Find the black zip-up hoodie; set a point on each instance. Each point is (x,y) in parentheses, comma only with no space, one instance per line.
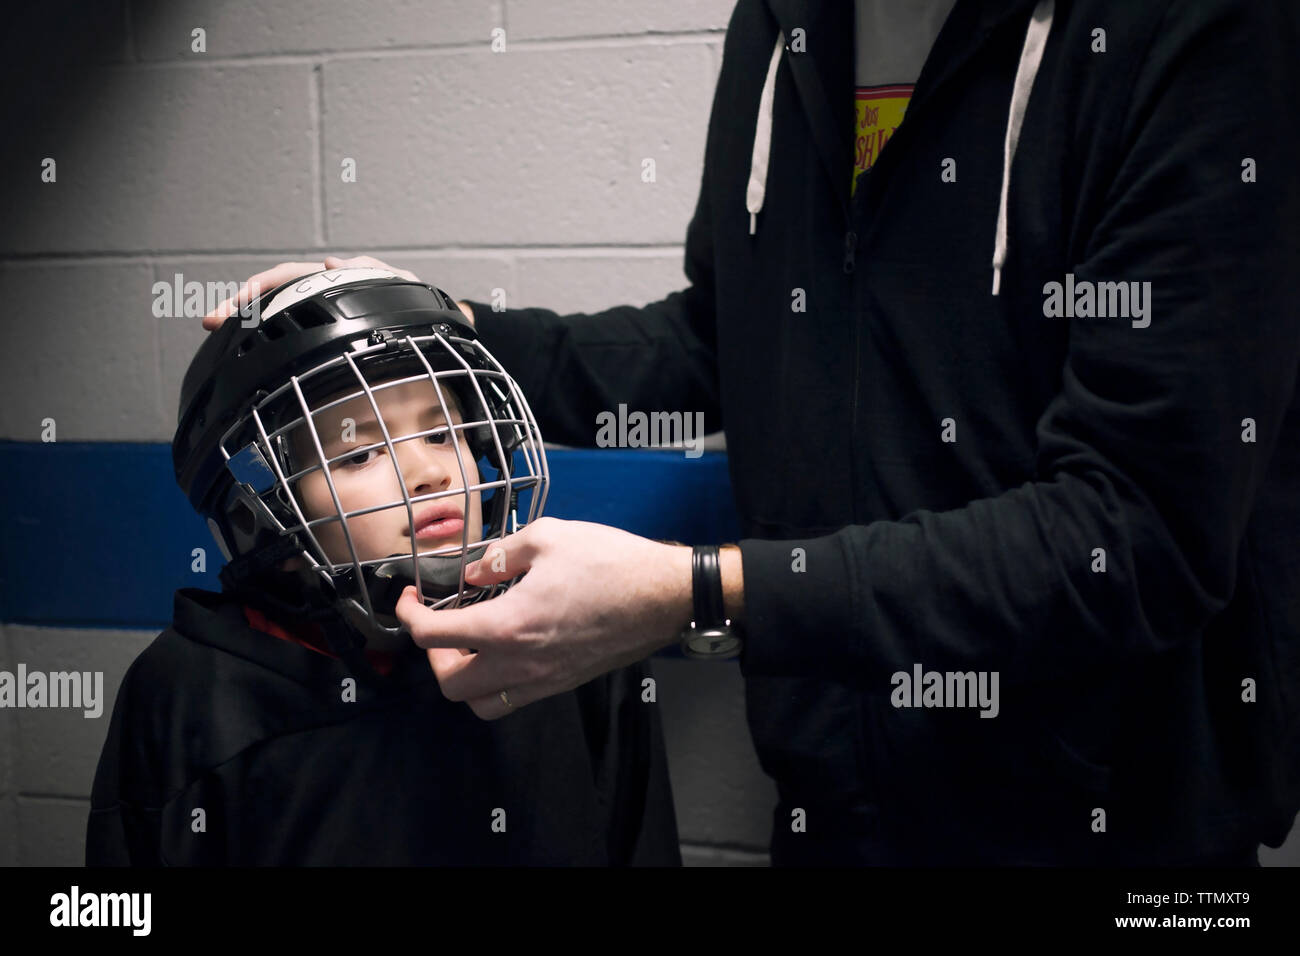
(1103,511)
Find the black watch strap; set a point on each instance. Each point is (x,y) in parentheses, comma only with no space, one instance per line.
(710,635)
(706,581)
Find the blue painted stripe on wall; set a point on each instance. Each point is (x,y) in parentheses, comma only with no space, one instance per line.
(96,534)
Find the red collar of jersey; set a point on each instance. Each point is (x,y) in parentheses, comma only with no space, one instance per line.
(312,638)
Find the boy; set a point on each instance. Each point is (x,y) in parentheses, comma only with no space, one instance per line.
(340,451)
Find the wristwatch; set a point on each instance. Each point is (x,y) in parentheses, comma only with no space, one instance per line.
(710,635)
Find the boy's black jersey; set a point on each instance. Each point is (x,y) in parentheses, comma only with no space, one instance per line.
(228,746)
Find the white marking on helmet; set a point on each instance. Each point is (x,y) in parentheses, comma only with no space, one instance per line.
(308,286)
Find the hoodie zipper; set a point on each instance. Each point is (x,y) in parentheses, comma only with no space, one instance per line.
(850,209)
(850,255)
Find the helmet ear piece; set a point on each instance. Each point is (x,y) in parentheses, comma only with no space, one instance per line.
(215,529)
(484,448)
(242,518)
(248,524)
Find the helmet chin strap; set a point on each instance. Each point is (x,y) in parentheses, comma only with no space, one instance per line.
(439,575)
(439,578)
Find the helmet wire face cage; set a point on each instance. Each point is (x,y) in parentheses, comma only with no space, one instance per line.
(395,462)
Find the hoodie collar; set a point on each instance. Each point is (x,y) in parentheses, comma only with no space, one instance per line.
(827,61)
(215,619)
(823,75)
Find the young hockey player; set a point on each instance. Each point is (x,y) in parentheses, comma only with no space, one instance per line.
(358,439)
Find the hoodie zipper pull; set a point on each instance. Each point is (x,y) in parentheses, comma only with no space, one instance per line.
(850,244)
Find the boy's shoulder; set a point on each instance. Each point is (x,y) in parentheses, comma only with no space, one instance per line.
(210,675)
(170,663)
(206,641)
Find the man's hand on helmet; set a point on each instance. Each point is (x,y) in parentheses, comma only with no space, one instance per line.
(285,271)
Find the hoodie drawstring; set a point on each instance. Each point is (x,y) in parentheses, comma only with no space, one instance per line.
(757,187)
(1031,56)
(1040,24)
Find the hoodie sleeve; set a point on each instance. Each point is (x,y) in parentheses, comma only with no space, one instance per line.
(1141,452)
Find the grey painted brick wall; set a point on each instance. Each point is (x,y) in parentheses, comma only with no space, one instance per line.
(60,747)
(50,754)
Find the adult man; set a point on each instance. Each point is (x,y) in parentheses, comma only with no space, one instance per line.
(1017,405)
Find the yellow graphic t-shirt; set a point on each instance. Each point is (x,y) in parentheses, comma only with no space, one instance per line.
(892,39)
(879,111)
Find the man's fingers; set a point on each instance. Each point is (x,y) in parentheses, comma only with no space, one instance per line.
(476,678)
(212,321)
(478,681)
(467,311)
(503,560)
(474,626)
(494,706)
(508,557)
(264,281)
(367,262)
(447,664)
(277,275)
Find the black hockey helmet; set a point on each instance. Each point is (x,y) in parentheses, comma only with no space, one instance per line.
(248,401)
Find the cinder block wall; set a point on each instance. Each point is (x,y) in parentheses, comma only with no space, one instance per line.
(517,170)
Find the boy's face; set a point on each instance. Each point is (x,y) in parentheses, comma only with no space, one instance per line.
(428,465)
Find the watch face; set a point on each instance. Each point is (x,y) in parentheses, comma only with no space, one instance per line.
(712,643)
